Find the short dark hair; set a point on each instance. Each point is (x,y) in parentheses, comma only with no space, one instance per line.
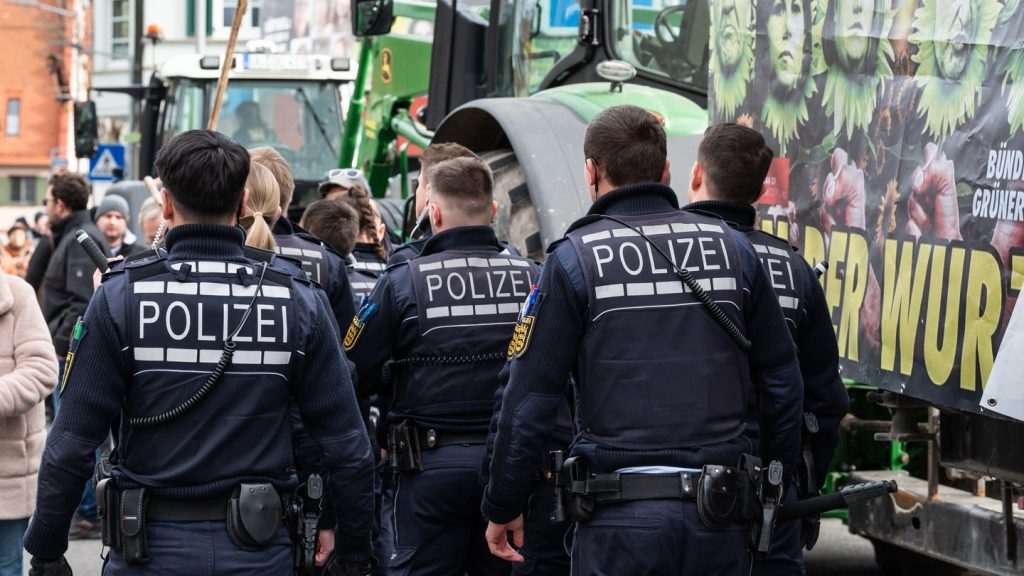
(204,172)
(628,144)
(71,188)
(735,160)
(442,152)
(334,222)
(466,181)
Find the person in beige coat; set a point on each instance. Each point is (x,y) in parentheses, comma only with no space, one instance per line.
(28,372)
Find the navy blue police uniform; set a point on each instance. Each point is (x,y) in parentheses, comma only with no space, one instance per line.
(364,268)
(153,334)
(413,248)
(322,263)
(659,386)
(825,398)
(443,320)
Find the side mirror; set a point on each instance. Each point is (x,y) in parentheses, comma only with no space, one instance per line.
(86,129)
(372,17)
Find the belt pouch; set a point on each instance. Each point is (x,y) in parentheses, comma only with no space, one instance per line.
(717,494)
(132,516)
(254,516)
(106,511)
(405,446)
(749,505)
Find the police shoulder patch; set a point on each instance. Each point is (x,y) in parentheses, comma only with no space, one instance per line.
(524,326)
(355,329)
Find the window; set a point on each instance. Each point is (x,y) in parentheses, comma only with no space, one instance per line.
(120,21)
(253,16)
(13,122)
(23,190)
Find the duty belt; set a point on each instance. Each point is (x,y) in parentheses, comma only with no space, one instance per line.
(432,438)
(605,488)
(406,441)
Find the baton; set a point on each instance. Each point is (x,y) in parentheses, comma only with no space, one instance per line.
(836,500)
(94,252)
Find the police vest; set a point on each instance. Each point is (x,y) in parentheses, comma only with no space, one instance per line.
(174,318)
(313,255)
(785,270)
(363,275)
(656,371)
(467,305)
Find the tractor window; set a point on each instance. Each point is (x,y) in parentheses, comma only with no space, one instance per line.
(533,36)
(667,38)
(185,110)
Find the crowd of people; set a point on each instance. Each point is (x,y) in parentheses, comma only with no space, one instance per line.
(233,358)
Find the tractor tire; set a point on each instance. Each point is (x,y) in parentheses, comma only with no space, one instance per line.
(516,222)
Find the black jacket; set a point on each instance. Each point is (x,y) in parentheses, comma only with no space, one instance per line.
(67,285)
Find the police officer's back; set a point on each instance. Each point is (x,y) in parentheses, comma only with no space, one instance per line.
(726,193)
(662,381)
(443,319)
(197,353)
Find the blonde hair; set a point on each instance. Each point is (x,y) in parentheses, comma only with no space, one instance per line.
(279,167)
(264,198)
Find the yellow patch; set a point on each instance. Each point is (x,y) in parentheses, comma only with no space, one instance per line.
(521,337)
(386,61)
(355,330)
(68,361)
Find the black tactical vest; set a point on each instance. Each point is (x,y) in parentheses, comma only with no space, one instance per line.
(467,305)
(655,369)
(313,255)
(173,318)
(785,270)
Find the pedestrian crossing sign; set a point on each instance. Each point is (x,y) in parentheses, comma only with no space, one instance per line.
(108,158)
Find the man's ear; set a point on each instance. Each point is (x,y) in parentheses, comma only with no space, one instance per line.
(696,177)
(436,221)
(243,205)
(168,205)
(590,168)
(494,210)
(666,174)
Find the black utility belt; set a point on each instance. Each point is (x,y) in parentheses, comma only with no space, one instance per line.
(407,441)
(253,513)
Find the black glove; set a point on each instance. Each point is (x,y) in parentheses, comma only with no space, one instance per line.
(337,567)
(58,567)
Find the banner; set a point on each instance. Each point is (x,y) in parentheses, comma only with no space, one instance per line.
(899,128)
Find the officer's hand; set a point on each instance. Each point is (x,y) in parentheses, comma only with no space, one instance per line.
(497,539)
(58,567)
(933,207)
(97,276)
(324,546)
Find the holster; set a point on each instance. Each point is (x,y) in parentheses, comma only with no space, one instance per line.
(575,473)
(807,482)
(106,511)
(404,448)
(254,516)
(131,512)
(306,506)
(718,492)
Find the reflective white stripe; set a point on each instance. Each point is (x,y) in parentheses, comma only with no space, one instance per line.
(508,308)
(232,268)
(211,267)
(462,310)
(710,228)
(485,309)
(623,233)
(363,285)
(247,357)
(682,227)
(499,261)
(669,287)
(609,291)
(313,254)
(639,288)
(289,251)
(149,354)
(271,357)
(437,312)
(777,251)
(275,292)
(430,266)
(704,283)
(520,263)
(186,288)
(211,289)
(654,230)
(368,265)
(246,291)
(789,302)
(455,263)
(588,238)
(478,262)
(189,355)
(148,287)
(761,248)
(210,356)
(724,283)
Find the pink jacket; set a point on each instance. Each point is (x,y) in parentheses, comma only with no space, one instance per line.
(28,372)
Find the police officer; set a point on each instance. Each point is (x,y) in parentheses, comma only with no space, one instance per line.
(198,353)
(319,260)
(370,254)
(443,319)
(662,380)
(719,189)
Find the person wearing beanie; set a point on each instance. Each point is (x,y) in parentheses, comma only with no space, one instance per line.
(112,219)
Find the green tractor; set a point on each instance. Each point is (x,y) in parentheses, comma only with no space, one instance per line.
(517,83)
